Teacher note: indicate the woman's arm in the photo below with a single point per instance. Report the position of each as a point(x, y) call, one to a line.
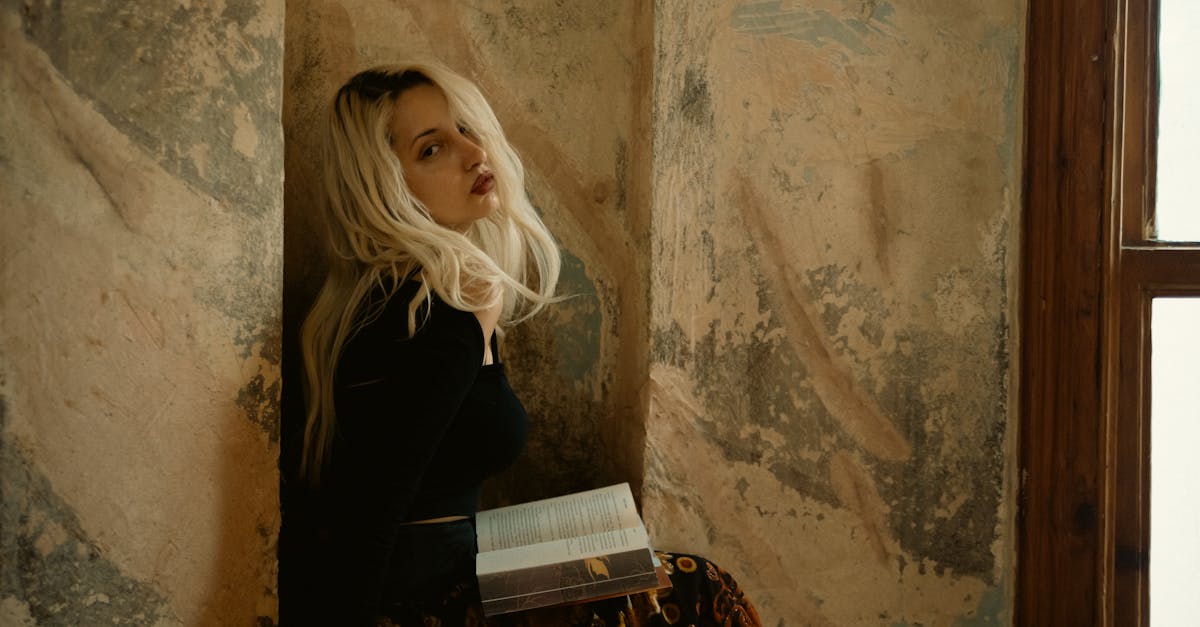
point(397, 397)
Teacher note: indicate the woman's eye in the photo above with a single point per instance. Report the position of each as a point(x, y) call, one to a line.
point(430, 150)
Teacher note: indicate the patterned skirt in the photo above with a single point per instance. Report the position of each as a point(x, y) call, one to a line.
point(702, 595)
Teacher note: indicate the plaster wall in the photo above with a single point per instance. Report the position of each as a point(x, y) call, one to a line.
point(788, 227)
point(141, 184)
point(833, 246)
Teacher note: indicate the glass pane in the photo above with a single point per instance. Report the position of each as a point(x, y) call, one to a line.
point(1177, 212)
point(1174, 461)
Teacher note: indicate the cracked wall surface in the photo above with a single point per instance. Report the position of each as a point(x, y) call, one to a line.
point(789, 229)
point(141, 180)
point(834, 246)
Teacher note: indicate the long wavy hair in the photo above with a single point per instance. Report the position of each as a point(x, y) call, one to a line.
point(379, 234)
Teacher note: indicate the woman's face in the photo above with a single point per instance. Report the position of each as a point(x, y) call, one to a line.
point(444, 166)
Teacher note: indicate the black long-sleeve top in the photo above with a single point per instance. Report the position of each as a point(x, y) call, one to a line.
point(421, 423)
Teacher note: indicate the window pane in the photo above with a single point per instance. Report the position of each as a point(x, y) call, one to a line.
point(1174, 461)
point(1177, 213)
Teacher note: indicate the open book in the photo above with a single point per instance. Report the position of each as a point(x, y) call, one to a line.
point(579, 547)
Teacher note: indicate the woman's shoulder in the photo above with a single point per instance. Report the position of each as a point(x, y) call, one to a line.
point(386, 311)
point(382, 343)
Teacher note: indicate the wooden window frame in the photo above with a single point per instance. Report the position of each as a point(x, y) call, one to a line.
point(1090, 273)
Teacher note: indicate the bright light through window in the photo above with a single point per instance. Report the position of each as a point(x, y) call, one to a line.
point(1177, 210)
point(1174, 461)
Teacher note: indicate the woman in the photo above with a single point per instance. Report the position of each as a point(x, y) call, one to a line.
point(435, 248)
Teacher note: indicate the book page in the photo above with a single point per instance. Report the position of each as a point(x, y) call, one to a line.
point(571, 516)
point(566, 550)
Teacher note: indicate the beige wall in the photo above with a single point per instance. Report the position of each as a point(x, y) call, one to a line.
point(140, 180)
point(835, 247)
point(790, 226)
point(797, 220)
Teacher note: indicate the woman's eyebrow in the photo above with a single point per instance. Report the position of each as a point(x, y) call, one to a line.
point(422, 134)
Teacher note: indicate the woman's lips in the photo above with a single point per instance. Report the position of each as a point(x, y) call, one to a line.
point(484, 184)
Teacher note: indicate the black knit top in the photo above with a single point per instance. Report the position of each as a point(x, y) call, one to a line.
point(421, 424)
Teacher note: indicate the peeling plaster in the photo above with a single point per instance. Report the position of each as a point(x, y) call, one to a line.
point(137, 299)
point(801, 281)
point(576, 322)
point(51, 571)
point(817, 27)
point(260, 401)
point(175, 77)
point(833, 297)
point(694, 100)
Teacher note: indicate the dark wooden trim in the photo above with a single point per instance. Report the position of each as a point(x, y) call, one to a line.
point(1163, 269)
point(1091, 269)
point(1136, 34)
point(1063, 445)
point(1147, 271)
point(1131, 444)
point(1124, 350)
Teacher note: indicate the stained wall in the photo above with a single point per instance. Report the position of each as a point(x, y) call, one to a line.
point(141, 184)
point(789, 229)
point(834, 249)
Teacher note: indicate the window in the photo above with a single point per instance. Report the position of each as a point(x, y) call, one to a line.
point(1176, 213)
point(1174, 436)
point(1095, 263)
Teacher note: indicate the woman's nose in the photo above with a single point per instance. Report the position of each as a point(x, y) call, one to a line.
point(473, 153)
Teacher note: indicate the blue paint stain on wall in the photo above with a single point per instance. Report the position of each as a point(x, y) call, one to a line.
point(883, 12)
point(1008, 46)
point(816, 27)
point(50, 565)
point(992, 610)
point(577, 321)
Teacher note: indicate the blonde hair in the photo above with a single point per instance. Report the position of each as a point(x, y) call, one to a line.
point(380, 235)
